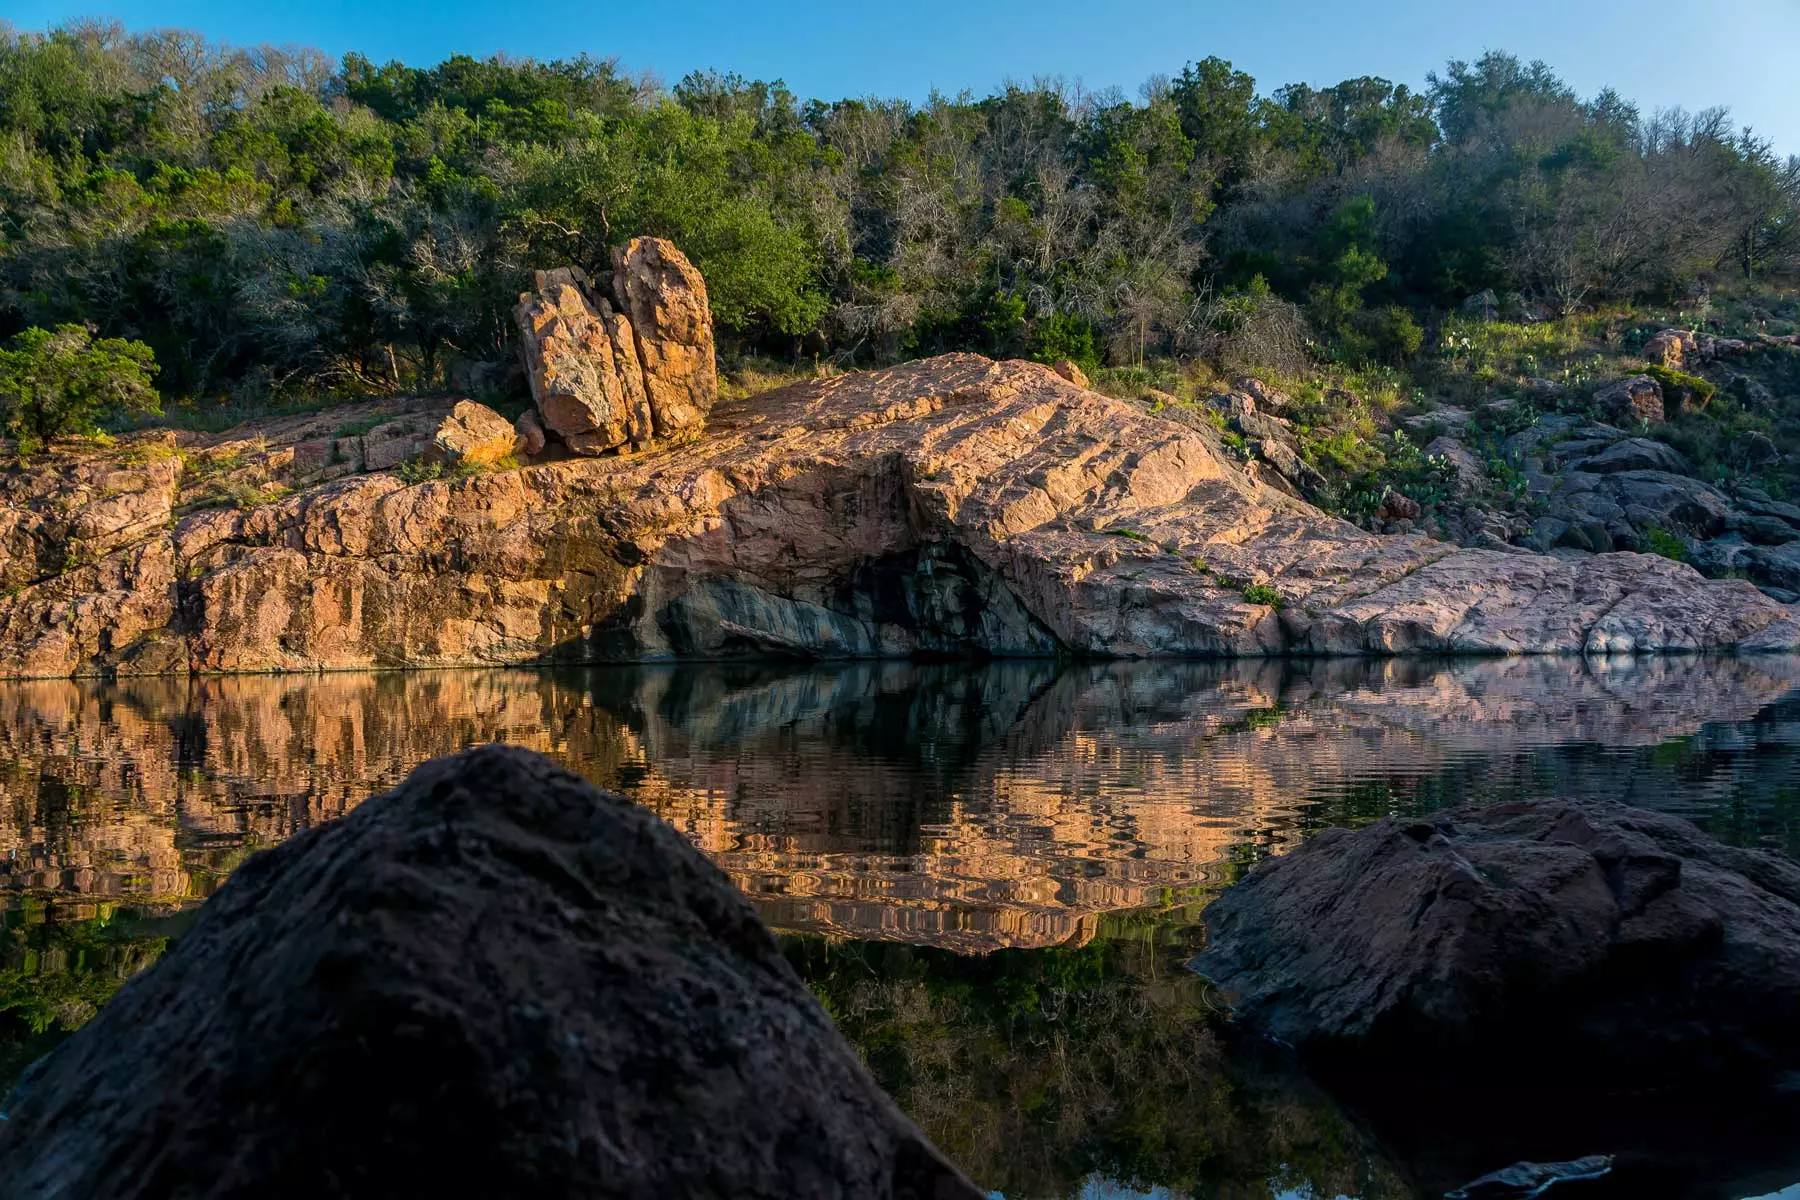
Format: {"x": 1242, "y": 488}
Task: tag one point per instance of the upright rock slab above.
{"x": 496, "y": 980}
{"x": 664, "y": 298}
{"x": 582, "y": 362}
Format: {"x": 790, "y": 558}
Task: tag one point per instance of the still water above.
{"x": 991, "y": 875}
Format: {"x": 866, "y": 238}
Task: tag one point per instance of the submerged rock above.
{"x": 1543, "y": 937}
{"x": 497, "y": 980}
{"x": 1522, "y": 1181}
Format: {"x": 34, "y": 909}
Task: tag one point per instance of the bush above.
{"x": 1390, "y": 333}
{"x": 61, "y": 383}
{"x": 1661, "y": 541}
{"x": 1260, "y": 593}
{"x": 1065, "y": 336}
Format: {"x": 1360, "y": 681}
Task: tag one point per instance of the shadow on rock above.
{"x": 1534, "y": 981}
{"x": 496, "y": 980}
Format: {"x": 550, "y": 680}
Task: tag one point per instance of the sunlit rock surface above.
{"x": 950, "y": 506}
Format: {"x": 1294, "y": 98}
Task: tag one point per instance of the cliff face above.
{"x": 953, "y": 505}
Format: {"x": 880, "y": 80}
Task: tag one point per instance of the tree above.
{"x": 59, "y": 383}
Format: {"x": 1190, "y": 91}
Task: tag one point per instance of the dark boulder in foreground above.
{"x": 495, "y": 981}
{"x": 1548, "y": 940}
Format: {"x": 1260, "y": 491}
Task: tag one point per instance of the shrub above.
{"x": 1661, "y": 541}
{"x": 61, "y": 383}
{"x": 1066, "y": 336}
{"x": 1260, "y": 593}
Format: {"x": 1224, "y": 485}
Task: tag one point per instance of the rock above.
{"x": 1757, "y": 449}
{"x": 1634, "y": 454}
{"x": 472, "y": 434}
{"x": 1545, "y": 390}
{"x": 1521, "y": 1181}
{"x": 1469, "y": 476}
{"x": 1071, "y": 372}
{"x": 582, "y": 360}
{"x": 1396, "y": 506}
{"x": 1270, "y": 398}
{"x": 1445, "y": 417}
{"x": 1774, "y": 566}
{"x": 1572, "y": 941}
{"x": 389, "y": 444}
{"x": 1485, "y": 305}
{"x": 952, "y": 506}
{"x": 1751, "y": 393}
{"x": 1632, "y": 400}
{"x": 664, "y": 298}
{"x": 495, "y": 980}
{"x": 1665, "y": 350}
{"x": 530, "y": 432}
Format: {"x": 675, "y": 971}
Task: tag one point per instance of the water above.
{"x": 991, "y": 875}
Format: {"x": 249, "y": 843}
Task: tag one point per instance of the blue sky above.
{"x": 1662, "y": 53}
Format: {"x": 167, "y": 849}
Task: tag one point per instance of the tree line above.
{"x": 270, "y": 222}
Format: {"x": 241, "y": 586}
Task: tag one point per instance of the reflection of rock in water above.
{"x": 973, "y": 807}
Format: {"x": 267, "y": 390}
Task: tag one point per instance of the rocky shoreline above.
{"x": 953, "y": 506}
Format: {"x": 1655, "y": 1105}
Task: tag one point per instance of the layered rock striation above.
{"x": 954, "y": 505}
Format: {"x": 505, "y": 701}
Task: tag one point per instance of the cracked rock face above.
{"x": 953, "y": 505}
{"x": 496, "y": 980}
{"x": 607, "y": 378}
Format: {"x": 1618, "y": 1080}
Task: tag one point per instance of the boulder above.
{"x": 1639, "y": 398}
{"x": 1397, "y": 506}
{"x": 1071, "y": 372}
{"x": 1757, "y": 449}
{"x": 530, "y": 431}
{"x": 1272, "y": 399}
{"x": 1468, "y": 475}
{"x": 1665, "y": 350}
{"x": 582, "y": 360}
{"x": 1485, "y": 305}
{"x": 664, "y": 299}
{"x": 1585, "y": 941}
{"x": 473, "y": 435}
{"x": 496, "y": 980}
{"x": 1633, "y": 454}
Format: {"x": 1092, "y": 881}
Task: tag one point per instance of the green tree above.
{"x": 58, "y": 383}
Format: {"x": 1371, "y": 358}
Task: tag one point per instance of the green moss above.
{"x": 1672, "y": 382}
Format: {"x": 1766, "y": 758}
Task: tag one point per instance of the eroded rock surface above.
{"x": 1547, "y": 936}
{"x": 496, "y": 980}
{"x": 954, "y": 505}
{"x": 616, "y": 362}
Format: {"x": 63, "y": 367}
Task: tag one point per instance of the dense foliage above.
{"x": 61, "y": 381}
{"x": 270, "y": 222}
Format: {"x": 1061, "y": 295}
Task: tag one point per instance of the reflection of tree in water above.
{"x": 1042, "y": 1070}
{"x": 56, "y": 972}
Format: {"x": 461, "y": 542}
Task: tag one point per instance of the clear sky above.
{"x": 1661, "y": 53}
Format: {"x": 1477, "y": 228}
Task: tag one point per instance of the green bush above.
{"x": 1661, "y": 541}
{"x": 1065, "y": 336}
{"x": 1260, "y": 593}
{"x": 62, "y": 383}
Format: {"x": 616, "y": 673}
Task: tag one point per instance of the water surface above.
{"x": 991, "y": 874}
